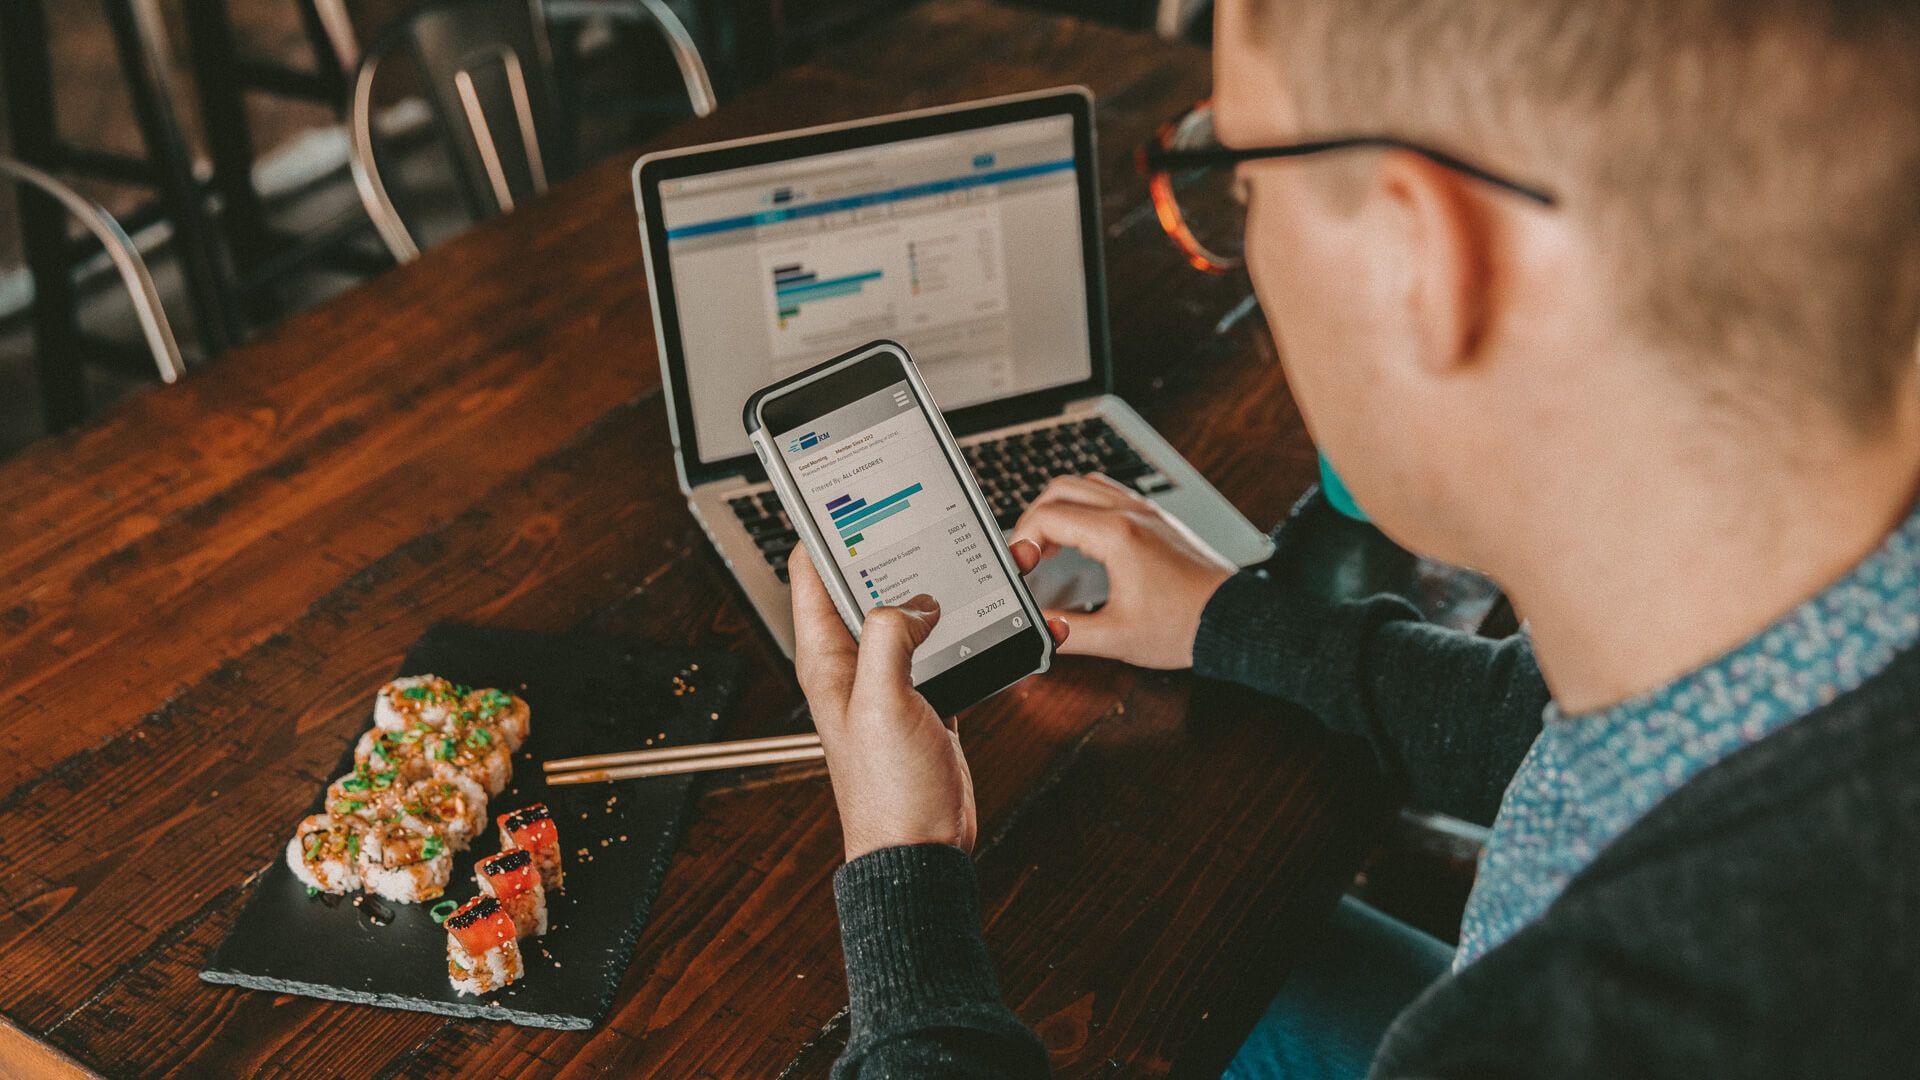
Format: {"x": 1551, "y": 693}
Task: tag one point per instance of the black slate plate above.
{"x": 588, "y": 696}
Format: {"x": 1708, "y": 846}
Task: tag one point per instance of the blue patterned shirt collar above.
{"x": 1589, "y": 777}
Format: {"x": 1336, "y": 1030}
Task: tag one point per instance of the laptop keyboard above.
{"x": 1011, "y": 471}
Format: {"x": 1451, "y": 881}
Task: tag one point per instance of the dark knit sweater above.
{"x": 1764, "y": 920}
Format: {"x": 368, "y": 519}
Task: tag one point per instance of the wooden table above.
{"x": 199, "y": 593}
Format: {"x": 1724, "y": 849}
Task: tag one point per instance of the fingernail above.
{"x": 921, "y": 604}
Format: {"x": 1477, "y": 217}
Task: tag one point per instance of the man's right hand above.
{"x": 1159, "y": 574}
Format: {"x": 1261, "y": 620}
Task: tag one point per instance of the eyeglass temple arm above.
{"x": 1157, "y": 157}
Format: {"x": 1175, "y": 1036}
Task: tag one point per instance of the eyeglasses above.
{"x": 1201, "y": 207}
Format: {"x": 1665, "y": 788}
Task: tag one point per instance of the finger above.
{"x": 1085, "y": 490}
{"x": 1058, "y": 628}
{"x": 1026, "y": 555}
{"x": 823, "y": 651}
{"x": 887, "y": 641}
{"x": 1072, "y": 491}
{"x": 1099, "y": 532}
{"x": 1094, "y": 634}
{"x": 1124, "y": 492}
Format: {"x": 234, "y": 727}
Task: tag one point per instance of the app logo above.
{"x": 806, "y": 442}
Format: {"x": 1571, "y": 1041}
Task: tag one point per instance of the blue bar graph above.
{"x": 873, "y": 512}
{"x": 869, "y": 519}
{"x": 794, "y": 285}
{"x": 851, "y": 517}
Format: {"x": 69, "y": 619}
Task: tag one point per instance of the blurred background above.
{"x": 218, "y": 138}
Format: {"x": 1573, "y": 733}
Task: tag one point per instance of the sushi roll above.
{"x": 507, "y": 712}
{"x": 404, "y": 863}
{"x": 533, "y": 829}
{"x": 510, "y": 878}
{"x": 401, "y": 753}
{"x": 365, "y": 793}
{"x": 454, "y": 805}
{"x": 483, "y": 954}
{"x": 427, "y": 699}
{"x": 324, "y": 852}
{"x": 473, "y": 750}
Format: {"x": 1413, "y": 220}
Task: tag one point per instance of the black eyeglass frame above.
{"x": 1156, "y": 158}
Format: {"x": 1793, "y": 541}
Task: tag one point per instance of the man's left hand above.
{"x": 898, "y": 774}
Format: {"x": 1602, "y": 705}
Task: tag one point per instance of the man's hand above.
{"x": 1159, "y": 574}
{"x": 898, "y": 774}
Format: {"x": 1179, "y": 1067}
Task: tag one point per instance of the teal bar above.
{"x": 801, "y": 291}
{"x": 851, "y": 523}
{"x": 868, "y": 519}
{"x": 795, "y": 299}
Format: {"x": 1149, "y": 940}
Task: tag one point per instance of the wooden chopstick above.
{"x": 690, "y": 764}
{"x": 681, "y": 753}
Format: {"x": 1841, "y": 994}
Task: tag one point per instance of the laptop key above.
{"x": 1152, "y": 484}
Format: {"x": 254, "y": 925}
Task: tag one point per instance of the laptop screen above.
{"x": 965, "y": 247}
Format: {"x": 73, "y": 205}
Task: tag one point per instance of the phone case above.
{"x": 815, "y": 541}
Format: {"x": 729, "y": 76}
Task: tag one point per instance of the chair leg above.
{"x": 43, "y": 231}
{"x": 336, "y": 50}
{"x": 223, "y": 108}
{"x": 139, "y": 39}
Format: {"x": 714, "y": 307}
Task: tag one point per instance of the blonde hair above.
{"x": 1753, "y": 164}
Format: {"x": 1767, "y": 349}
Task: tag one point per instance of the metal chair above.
{"x": 487, "y": 68}
{"x": 126, "y": 259}
{"x": 1184, "y": 20}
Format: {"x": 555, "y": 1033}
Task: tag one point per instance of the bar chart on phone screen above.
{"x": 895, "y": 518}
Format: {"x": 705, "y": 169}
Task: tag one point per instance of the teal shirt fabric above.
{"x": 1589, "y": 777}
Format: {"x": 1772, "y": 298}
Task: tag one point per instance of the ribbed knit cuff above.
{"x": 1259, "y": 633}
{"x": 910, "y": 928}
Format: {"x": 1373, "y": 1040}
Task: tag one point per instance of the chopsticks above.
{"x": 669, "y": 760}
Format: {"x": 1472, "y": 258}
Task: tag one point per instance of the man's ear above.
{"x": 1449, "y": 244}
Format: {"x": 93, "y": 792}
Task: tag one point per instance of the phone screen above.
{"x": 897, "y": 522}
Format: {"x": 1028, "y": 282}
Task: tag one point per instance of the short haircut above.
{"x": 1753, "y": 164}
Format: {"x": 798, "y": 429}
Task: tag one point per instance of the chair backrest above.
{"x": 488, "y": 78}
{"x": 126, "y": 259}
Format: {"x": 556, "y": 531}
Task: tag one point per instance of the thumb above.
{"x": 887, "y": 640}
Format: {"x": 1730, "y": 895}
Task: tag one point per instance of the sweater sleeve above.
{"x": 921, "y": 993}
{"x": 1447, "y": 713}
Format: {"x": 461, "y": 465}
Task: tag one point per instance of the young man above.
{"x": 1665, "y": 388}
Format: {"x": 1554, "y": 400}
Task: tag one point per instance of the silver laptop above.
{"x": 970, "y": 234}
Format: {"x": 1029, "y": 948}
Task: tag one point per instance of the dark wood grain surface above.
{"x": 198, "y": 594}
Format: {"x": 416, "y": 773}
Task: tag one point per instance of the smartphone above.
{"x": 884, "y": 501}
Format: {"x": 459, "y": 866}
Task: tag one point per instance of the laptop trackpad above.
{"x": 1069, "y": 581}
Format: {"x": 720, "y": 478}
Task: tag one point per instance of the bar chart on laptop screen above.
{"x": 795, "y": 285}
{"x": 909, "y": 271}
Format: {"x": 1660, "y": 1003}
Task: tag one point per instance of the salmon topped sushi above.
{"x": 455, "y": 805}
{"x": 413, "y": 699}
{"x": 507, "y": 712}
{"x": 483, "y": 951}
{"x": 325, "y": 852}
{"x": 534, "y": 830}
{"x": 510, "y": 878}
{"x": 404, "y": 863}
